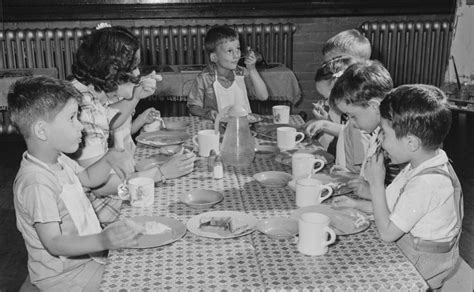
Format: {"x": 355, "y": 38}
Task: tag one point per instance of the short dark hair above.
{"x": 218, "y": 35}
{"x": 31, "y": 98}
{"x": 420, "y": 110}
{"x": 106, "y": 58}
{"x": 335, "y": 65}
{"x": 349, "y": 42}
{"x": 361, "y": 82}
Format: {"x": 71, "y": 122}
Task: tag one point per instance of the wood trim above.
{"x": 47, "y": 10}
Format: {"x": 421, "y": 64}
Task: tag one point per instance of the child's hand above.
{"x": 344, "y": 202}
{"x": 122, "y": 234}
{"x": 319, "y": 112}
{"x": 250, "y": 60}
{"x": 179, "y": 165}
{"x": 360, "y": 187}
{"x": 375, "y": 169}
{"x": 149, "y": 115}
{"x": 121, "y": 162}
{"x": 211, "y": 115}
{"x": 313, "y": 127}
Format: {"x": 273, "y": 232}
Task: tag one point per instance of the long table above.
{"x": 358, "y": 262}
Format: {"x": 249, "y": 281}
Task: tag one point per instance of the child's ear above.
{"x": 39, "y": 130}
{"x": 413, "y": 142}
{"x": 374, "y": 103}
{"x": 213, "y": 57}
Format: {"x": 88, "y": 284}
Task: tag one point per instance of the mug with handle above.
{"x": 314, "y": 230}
{"x": 207, "y": 140}
{"x": 303, "y": 165}
{"x": 140, "y": 191}
{"x": 309, "y": 191}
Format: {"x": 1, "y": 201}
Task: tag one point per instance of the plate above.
{"x": 266, "y": 150}
{"x": 278, "y": 227}
{"x": 252, "y": 118}
{"x": 284, "y": 157}
{"x": 270, "y": 131}
{"x": 273, "y": 179}
{"x": 162, "y": 138}
{"x": 239, "y": 217}
{"x": 344, "y": 221}
{"x": 176, "y": 125}
{"x": 201, "y": 199}
{"x": 177, "y": 231}
{"x": 328, "y": 179}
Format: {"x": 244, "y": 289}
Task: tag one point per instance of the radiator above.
{"x": 413, "y": 52}
{"x": 160, "y": 45}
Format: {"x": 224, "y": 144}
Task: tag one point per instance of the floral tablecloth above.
{"x": 359, "y": 262}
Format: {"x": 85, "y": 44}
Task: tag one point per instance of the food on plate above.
{"x": 153, "y": 227}
{"x": 219, "y": 224}
{"x": 348, "y": 220}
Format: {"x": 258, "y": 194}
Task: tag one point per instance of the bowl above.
{"x": 176, "y": 125}
{"x": 201, "y": 199}
{"x": 278, "y": 227}
{"x": 273, "y": 179}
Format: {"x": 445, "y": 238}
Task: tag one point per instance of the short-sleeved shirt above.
{"x": 95, "y": 116}
{"x": 36, "y": 191}
{"x": 426, "y": 208}
{"x": 202, "y": 91}
{"x": 371, "y": 148}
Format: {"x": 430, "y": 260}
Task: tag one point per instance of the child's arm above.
{"x": 314, "y": 127}
{"x": 199, "y": 111}
{"x": 98, "y": 173}
{"x": 146, "y": 117}
{"x": 375, "y": 173}
{"x": 261, "y": 91}
{"x": 121, "y": 234}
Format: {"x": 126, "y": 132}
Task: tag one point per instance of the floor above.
{"x": 13, "y": 254}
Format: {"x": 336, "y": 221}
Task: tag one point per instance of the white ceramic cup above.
{"x": 310, "y": 191}
{"x": 313, "y": 229}
{"x": 287, "y": 138}
{"x": 140, "y": 191}
{"x": 303, "y": 165}
{"x": 281, "y": 114}
{"x": 206, "y": 140}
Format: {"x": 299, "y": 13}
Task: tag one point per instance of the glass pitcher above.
{"x": 238, "y": 145}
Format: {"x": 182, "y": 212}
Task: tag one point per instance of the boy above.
{"x": 422, "y": 209}
{"x": 223, "y": 83}
{"x": 358, "y": 93}
{"x": 348, "y": 42}
{"x": 56, "y": 219}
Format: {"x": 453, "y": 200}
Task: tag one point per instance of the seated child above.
{"x": 348, "y": 42}
{"x": 224, "y": 83}
{"x": 422, "y": 209}
{"x": 358, "y": 93}
{"x": 106, "y": 73}
{"x": 61, "y": 231}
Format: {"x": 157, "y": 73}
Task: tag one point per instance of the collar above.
{"x": 437, "y": 161}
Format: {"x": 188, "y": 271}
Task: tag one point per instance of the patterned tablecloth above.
{"x": 359, "y": 262}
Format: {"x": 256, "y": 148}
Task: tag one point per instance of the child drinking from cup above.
{"x": 223, "y": 82}
{"x": 61, "y": 231}
{"x": 106, "y": 73}
{"x": 422, "y": 209}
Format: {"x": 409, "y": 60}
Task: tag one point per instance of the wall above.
{"x": 311, "y": 33}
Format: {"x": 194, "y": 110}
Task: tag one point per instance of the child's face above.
{"x": 227, "y": 55}
{"x": 396, "y": 148}
{"x": 64, "y": 132}
{"x": 364, "y": 118}
{"x": 324, "y": 87}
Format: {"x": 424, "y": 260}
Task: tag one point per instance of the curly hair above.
{"x": 106, "y": 58}
{"x": 420, "y": 110}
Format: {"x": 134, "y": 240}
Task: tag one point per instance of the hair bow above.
{"x": 337, "y": 74}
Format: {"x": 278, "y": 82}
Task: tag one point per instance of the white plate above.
{"x": 240, "y": 217}
{"x": 201, "y": 199}
{"x": 273, "y": 179}
{"x": 162, "y": 138}
{"x": 328, "y": 179}
{"x": 279, "y": 227}
{"x": 178, "y": 230}
{"x": 344, "y": 221}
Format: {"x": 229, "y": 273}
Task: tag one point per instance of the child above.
{"x": 348, "y": 42}
{"x": 358, "y": 93}
{"x": 422, "y": 209}
{"x": 223, "y": 83}
{"x": 106, "y": 73}
{"x": 56, "y": 219}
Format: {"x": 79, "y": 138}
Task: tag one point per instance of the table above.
{"x": 359, "y": 262}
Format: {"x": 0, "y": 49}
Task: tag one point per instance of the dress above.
{"x": 43, "y": 195}
{"x": 203, "y": 92}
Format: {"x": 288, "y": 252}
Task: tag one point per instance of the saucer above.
{"x": 201, "y": 199}
{"x": 278, "y": 227}
{"x": 273, "y": 179}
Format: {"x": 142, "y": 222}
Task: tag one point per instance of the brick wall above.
{"x": 311, "y": 33}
